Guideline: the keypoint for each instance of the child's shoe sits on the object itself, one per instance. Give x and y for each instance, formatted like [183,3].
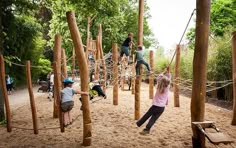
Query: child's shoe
[145,132]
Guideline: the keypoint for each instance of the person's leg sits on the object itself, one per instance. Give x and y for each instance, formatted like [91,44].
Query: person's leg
[146,64]
[66,118]
[146,116]
[99,90]
[157,113]
[70,116]
[137,67]
[8,89]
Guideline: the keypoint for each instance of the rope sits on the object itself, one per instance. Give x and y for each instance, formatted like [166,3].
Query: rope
[182,35]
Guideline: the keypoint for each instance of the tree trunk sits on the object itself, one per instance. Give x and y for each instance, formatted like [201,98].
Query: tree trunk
[199,69]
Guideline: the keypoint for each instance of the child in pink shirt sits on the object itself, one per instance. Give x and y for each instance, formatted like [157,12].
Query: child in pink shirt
[160,100]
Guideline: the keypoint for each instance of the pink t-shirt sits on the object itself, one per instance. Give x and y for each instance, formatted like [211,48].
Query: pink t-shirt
[161,99]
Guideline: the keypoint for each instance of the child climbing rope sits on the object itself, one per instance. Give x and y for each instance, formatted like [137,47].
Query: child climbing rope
[67,102]
[160,100]
[125,46]
[140,60]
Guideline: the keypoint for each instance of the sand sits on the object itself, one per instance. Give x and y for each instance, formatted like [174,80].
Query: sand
[113,126]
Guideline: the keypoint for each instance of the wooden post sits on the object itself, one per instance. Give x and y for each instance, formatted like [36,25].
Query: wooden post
[133,76]
[123,65]
[139,78]
[31,95]
[64,64]
[151,78]
[79,50]
[4,92]
[177,74]
[57,58]
[234,76]
[88,38]
[199,69]
[57,92]
[97,59]
[115,73]
[102,57]
[73,64]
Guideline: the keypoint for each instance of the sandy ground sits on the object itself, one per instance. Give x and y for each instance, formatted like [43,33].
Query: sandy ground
[113,126]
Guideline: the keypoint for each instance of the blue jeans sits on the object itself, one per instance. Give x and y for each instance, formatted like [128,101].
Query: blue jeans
[138,66]
[124,50]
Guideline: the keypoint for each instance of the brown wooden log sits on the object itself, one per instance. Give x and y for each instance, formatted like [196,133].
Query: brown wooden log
[83,67]
[137,97]
[234,76]
[115,73]
[133,76]
[64,64]
[73,64]
[123,65]
[102,58]
[57,93]
[139,78]
[199,69]
[177,74]
[31,95]
[151,78]
[88,38]
[5,95]
[57,58]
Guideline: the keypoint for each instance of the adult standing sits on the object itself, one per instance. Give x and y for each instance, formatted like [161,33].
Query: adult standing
[51,80]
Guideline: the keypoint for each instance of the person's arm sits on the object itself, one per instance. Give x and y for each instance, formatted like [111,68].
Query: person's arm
[81,92]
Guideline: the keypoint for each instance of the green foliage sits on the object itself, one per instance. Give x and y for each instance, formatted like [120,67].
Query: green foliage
[223,16]
[220,61]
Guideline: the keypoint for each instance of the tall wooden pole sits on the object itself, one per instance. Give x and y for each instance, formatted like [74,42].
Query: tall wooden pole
[4,92]
[139,78]
[64,64]
[57,90]
[82,61]
[177,74]
[31,95]
[97,59]
[57,58]
[88,38]
[234,76]
[102,57]
[199,69]
[151,78]
[73,64]
[115,73]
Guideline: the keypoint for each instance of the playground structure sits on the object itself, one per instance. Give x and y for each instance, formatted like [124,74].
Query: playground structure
[95,46]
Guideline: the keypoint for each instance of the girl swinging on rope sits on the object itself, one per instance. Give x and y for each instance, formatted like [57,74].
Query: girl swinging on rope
[160,100]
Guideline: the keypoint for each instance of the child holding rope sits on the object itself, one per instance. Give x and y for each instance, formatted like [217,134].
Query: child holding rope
[160,100]
[67,102]
[140,60]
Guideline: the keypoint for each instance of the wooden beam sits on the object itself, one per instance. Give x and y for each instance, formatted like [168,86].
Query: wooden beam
[4,92]
[151,77]
[57,93]
[199,69]
[57,58]
[177,74]
[139,78]
[115,73]
[31,95]
[234,76]
[64,64]
[83,67]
